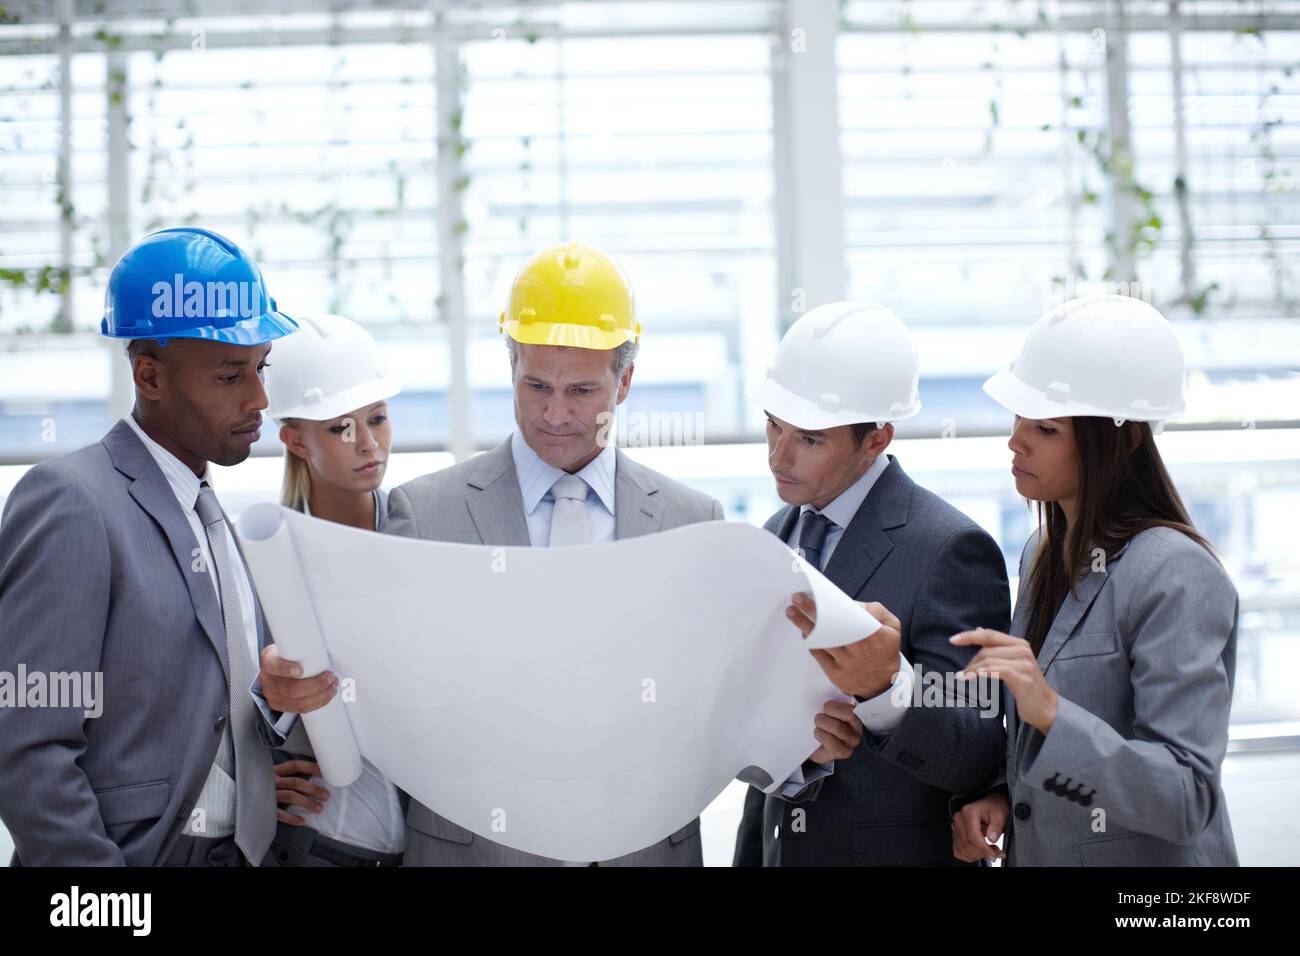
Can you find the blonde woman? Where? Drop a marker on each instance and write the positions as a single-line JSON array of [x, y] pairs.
[[328, 389]]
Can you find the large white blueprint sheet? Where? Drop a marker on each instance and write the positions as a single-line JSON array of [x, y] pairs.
[[578, 702]]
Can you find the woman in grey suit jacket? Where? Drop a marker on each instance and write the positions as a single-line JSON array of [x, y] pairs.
[[1118, 671], [329, 391]]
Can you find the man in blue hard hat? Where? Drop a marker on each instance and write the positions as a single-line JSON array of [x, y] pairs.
[[120, 578]]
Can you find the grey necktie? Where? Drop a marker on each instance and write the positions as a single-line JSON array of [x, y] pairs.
[[569, 520], [254, 786]]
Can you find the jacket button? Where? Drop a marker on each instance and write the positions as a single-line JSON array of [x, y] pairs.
[[221, 724], [1022, 811], [776, 832]]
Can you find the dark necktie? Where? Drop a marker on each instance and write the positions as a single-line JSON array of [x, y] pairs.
[[812, 537]]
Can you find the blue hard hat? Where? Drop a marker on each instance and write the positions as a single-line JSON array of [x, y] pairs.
[[188, 283]]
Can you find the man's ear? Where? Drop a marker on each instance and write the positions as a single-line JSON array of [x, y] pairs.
[[624, 383], [146, 374], [880, 439]]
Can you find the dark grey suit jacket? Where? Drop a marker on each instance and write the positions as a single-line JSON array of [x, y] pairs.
[[479, 502], [940, 573], [96, 574]]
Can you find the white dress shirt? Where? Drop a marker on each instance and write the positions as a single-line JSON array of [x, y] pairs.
[[882, 713], [217, 799]]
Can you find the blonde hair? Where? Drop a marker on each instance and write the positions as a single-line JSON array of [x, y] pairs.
[[297, 477]]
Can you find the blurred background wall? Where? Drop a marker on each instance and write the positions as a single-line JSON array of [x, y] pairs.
[[966, 163]]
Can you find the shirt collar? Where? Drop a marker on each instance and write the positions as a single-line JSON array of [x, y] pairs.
[[842, 509], [184, 483], [536, 476]]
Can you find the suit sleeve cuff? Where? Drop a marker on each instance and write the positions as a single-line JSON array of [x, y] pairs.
[[804, 776], [885, 711], [275, 726], [1070, 741]]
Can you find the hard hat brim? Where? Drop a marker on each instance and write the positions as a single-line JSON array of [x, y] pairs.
[[359, 396], [563, 334], [252, 331], [802, 413], [1021, 398]]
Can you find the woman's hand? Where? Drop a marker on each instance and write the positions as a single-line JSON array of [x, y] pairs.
[[977, 826], [1011, 660], [290, 788]]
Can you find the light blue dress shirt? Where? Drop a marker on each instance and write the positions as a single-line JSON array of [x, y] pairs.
[[536, 478]]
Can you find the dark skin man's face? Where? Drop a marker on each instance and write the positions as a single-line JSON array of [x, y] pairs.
[[202, 400]]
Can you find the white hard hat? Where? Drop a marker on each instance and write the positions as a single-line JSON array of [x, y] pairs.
[[329, 367], [841, 364], [1109, 356]]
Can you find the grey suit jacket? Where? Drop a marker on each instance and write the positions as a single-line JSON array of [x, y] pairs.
[[1143, 660], [95, 575], [479, 502], [939, 573]]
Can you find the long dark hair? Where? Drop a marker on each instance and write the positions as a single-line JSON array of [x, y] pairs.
[[1123, 489]]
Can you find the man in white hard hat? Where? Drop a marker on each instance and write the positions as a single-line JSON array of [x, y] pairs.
[[572, 338], [843, 373]]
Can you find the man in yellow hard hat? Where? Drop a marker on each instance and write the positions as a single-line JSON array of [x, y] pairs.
[[573, 336]]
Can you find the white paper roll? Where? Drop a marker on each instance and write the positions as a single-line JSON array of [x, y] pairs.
[[268, 548], [578, 723]]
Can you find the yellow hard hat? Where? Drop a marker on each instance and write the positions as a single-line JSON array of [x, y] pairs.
[[572, 295]]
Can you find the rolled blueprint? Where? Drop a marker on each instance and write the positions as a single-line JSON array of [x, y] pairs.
[[291, 613], [575, 702]]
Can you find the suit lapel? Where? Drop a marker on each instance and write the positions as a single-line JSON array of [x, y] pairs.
[[636, 510], [1019, 623], [864, 543], [495, 502], [1020, 617], [782, 523], [1072, 611], [152, 492], [1019, 628]]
